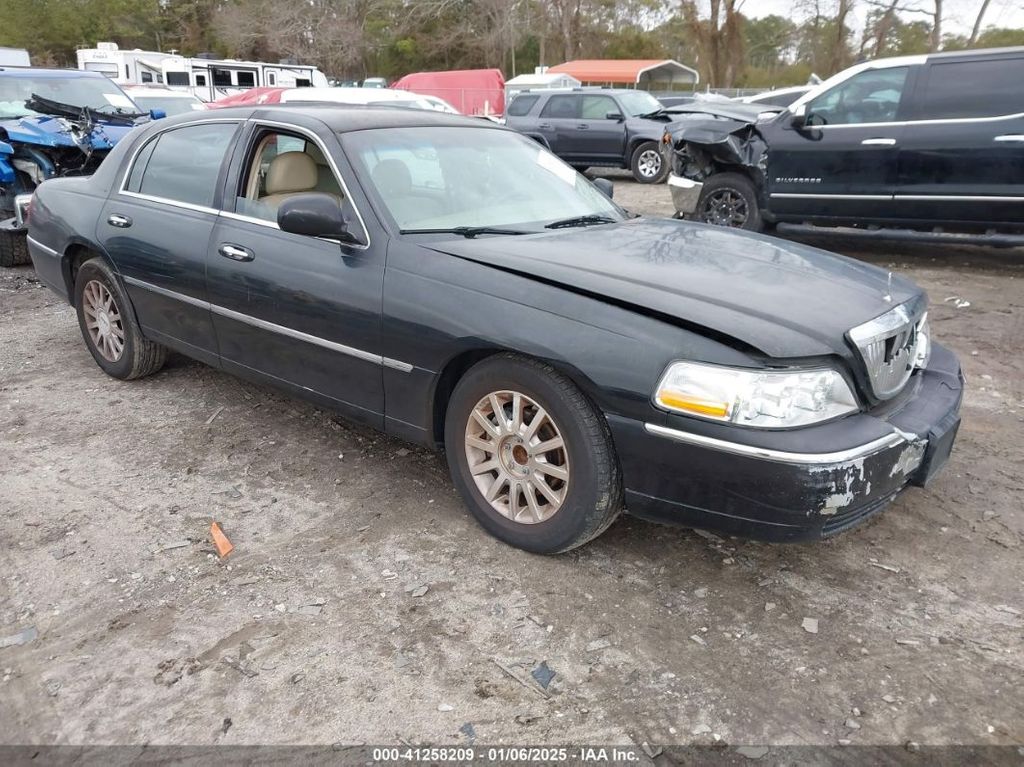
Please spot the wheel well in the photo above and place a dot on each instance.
(447, 381)
(74, 257)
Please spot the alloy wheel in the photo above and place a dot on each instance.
(103, 320)
(517, 456)
(649, 163)
(725, 207)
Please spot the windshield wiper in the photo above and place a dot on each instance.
(469, 232)
(588, 220)
(59, 109)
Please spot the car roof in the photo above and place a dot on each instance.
(37, 72)
(345, 118)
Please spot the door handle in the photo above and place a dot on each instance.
(544, 126)
(235, 252)
(879, 142)
(582, 126)
(1010, 137)
(121, 222)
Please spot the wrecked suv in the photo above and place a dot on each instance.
(52, 123)
(932, 142)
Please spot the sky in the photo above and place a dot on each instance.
(958, 15)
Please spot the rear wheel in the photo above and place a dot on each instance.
(531, 456)
(108, 325)
(729, 199)
(648, 164)
(14, 249)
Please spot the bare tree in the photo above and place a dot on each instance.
(719, 39)
(977, 23)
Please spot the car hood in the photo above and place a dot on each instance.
(783, 299)
(45, 130)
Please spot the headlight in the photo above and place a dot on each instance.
(766, 399)
(923, 350)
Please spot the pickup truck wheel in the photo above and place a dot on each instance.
(648, 164)
(729, 199)
(108, 325)
(14, 249)
(531, 456)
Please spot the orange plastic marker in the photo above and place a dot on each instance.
(224, 546)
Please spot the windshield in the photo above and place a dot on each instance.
(97, 93)
(169, 104)
(444, 177)
(638, 102)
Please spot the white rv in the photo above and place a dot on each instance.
(206, 77)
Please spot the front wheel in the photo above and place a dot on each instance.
(648, 164)
(729, 199)
(530, 455)
(108, 325)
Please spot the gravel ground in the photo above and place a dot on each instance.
(362, 604)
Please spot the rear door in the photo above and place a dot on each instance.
(157, 226)
(558, 120)
(843, 162)
(961, 158)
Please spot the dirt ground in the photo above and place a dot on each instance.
(317, 629)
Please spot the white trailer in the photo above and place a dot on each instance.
(207, 77)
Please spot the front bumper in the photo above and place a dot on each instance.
(685, 193)
(792, 486)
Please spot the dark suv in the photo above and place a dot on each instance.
(931, 142)
(595, 127)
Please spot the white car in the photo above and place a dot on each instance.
(170, 102)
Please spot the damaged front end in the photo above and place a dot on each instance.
(701, 144)
(55, 140)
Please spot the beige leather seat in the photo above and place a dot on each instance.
(394, 182)
(289, 173)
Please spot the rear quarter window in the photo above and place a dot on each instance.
(964, 89)
(521, 105)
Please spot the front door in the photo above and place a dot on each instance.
(962, 157)
(303, 311)
(843, 161)
(157, 227)
(558, 120)
(598, 137)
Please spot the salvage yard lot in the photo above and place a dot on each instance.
(318, 628)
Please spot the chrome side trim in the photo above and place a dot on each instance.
(802, 196)
(956, 197)
(172, 203)
(272, 327)
(779, 456)
(249, 219)
(167, 293)
(45, 248)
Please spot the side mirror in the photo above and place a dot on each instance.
(606, 187)
(315, 215)
(617, 116)
(798, 116)
(157, 114)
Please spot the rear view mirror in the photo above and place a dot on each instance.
(606, 187)
(315, 215)
(613, 116)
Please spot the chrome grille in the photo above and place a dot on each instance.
(890, 344)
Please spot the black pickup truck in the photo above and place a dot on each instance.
(603, 127)
(926, 143)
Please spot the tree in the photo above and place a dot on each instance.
(719, 40)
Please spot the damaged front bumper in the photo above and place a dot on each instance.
(802, 484)
(685, 193)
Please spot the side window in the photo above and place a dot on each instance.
(246, 80)
(281, 165)
(596, 107)
(872, 96)
(201, 80)
(562, 107)
(222, 78)
(521, 105)
(271, 78)
(147, 77)
(973, 89)
(182, 164)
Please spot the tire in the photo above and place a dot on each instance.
(100, 301)
(588, 499)
(648, 163)
(729, 199)
(14, 249)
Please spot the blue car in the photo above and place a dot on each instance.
(53, 122)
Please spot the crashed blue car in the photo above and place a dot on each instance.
(53, 122)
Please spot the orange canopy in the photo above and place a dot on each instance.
(628, 71)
